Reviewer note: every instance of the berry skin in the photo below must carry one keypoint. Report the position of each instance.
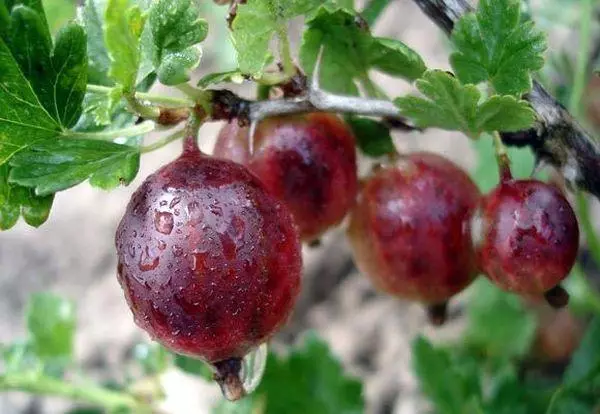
(409, 231)
(526, 236)
(308, 161)
(209, 261)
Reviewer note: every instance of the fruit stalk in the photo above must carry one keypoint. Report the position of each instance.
(91, 394)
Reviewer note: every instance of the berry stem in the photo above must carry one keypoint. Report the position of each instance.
(139, 129)
(502, 159)
(168, 101)
(228, 376)
(190, 142)
(91, 394)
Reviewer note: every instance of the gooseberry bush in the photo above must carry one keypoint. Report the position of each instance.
(209, 248)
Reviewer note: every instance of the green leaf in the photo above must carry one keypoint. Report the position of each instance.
(308, 380)
(373, 10)
(220, 77)
(16, 200)
(193, 366)
(98, 60)
(122, 32)
(496, 45)
(396, 59)
(57, 76)
(23, 119)
(499, 325)
(453, 387)
(584, 369)
(256, 23)
(176, 31)
(372, 137)
(51, 322)
(102, 106)
(450, 105)
(349, 52)
(67, 162)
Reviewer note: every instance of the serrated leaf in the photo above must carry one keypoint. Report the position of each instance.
(452, 387)
(255, 24)
(349, 52)
(193, 366)
(18, 201)
(308, 380)
(372, 137)
(67, 162)
(495, 44)
(176, 31)
(221, 77)
(175, 68)
(51, 323)
(58, 76)
(23, 119)
(122, 32)
(513, 327)
(448, 104)
(396, 59)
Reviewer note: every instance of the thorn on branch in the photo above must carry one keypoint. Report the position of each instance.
(557, 139)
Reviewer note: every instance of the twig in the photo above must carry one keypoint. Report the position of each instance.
(557, 138)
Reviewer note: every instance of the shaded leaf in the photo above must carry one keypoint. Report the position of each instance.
(67, 162)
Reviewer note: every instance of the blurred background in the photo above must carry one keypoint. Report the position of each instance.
(73, 254)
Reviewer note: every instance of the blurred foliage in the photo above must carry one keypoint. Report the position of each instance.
(59, 12)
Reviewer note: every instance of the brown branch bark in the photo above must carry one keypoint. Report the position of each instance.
(557, 138)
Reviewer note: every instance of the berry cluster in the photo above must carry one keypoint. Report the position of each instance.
(209, 252)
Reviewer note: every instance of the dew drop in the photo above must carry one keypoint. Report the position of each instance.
(163, 221)
(147, 262)
(163, 203)
(253, 368)
(131, 250)
(195, 213)
(174, 202)
(162, 245)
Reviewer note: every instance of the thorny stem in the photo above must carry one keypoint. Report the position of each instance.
(91, 394)
(139, 129)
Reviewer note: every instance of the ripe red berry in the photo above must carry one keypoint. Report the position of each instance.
(308, 161)
(410, 230)
(526, 237)
(209, 261)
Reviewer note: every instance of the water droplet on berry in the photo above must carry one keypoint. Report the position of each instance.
(147, 262)
(195, 213)
(174, 202)
(253, 368)
(163, 221)
(177, 251)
